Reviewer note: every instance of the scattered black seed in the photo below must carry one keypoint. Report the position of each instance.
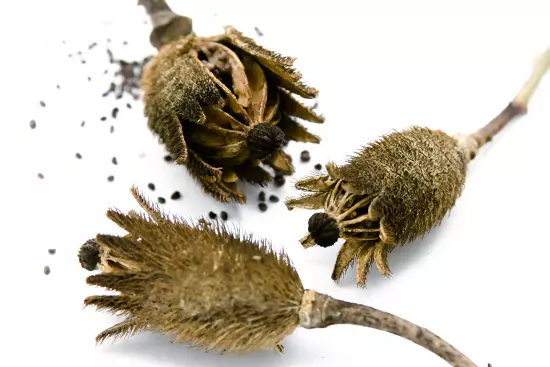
(63, 42)
(114, 112)
(92, 45)
(114, 160)
(41, 176)
(111, 178)
(161, 200)
(262, 207)
(305, 156)
(105, 71)
(279, 180)
(112, 87)
(258, 32)
(58, 87)
(79, 53)
(176, 195)
(112, 129)
(261, 196)
(83, 61)
(224, 215)
(42, 103)
(273, 198)
(168, 158)
(83, 123)
(103, 118)
(78, 156)
(108, 40)
(46, 270)
(212, 215)
(32, 124)
(151, 186)
(51, 251)
(70, 55)
(318, 166)
(125, 43)
(129, 106)
(110, 54)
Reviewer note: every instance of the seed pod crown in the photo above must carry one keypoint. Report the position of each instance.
(199, 283)
(223, 106)
(390, 192)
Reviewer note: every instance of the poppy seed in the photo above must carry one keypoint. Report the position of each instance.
(168, 158)
(52, 251)
(103, 118)
(151, 186)
(262, 207)
(273, 199)
(212, 215)
(261, 196)
(161, 200)
(32, 124)
(112, 129)
(111, 178)
(82, 123)
(42, 103)
(176, 195)
(224, 215)
(279, 180)
(114, 112)
(41, 176)
(46, 270)
(114, 160)
(305, 156)
(78, 156)
(318, 167)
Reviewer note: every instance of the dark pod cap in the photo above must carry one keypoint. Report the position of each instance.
(324, 229)
(264, 140)
(88, 255)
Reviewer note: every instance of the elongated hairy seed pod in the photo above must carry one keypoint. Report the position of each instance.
(396, 189)
(203, 285)
(223, 106)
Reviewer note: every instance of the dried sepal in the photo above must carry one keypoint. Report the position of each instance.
(221, 102)
(199, 282)
(294, 131)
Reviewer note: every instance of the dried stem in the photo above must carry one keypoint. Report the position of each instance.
(167, 25)
(518, 106)
(320, 310)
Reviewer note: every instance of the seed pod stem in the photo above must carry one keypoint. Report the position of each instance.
(518, 106)
(167, 25)
(320, 311)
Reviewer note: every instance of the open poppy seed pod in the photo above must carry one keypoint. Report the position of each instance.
(223, 106)
(203, 285)
(396, 189)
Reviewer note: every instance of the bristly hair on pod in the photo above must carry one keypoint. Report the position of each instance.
(199, 282)
(224, 106)
(397, 188)
(214, 289)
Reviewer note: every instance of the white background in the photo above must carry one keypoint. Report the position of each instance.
(480, 280)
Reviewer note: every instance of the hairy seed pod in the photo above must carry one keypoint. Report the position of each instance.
(203, 285)
(223, 106)
(396, 189)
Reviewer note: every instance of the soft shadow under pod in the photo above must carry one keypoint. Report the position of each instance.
(323, 229)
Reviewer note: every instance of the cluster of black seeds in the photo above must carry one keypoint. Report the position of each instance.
(223, 215)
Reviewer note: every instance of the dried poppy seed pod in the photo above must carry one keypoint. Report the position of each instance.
(396, 189)
(217, 290)
(223, 106)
